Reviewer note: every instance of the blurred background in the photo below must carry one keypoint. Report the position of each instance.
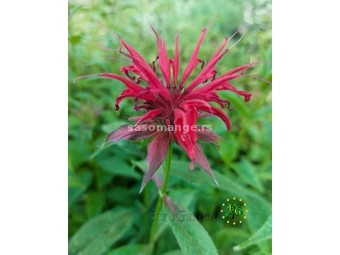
(110, 180)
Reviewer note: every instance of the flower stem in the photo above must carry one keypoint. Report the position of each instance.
(161, 195)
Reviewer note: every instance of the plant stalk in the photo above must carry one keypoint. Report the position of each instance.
(161, 195)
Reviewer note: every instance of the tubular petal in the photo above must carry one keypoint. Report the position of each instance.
(175, 64)
(204, 106)
(193, 59)
(149, 115)
(164, 62)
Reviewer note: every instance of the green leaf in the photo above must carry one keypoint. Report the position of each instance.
(75, 187)
(262, 112)
(247, 173)
(174, 252)
(228, 149)
(117, 166)
(190, 234)
(95, 203)
(100, 149)
(97, 235)
(187, 197)
(135, 249)
(264, 233)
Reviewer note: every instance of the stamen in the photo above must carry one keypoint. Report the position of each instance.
(257, 77)
(126, 71)
(246, 28)
(85, 76)
(211, 21)
(202, 62)
(107, 28)
(153, 64)
(147, 18)
(228, 103)
(215, 73)
(105, 48)
(120, 59)
(123, 53)
(266, 63)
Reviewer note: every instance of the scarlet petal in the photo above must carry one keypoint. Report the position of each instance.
(164, 61)
(183, 123)
(212, 85)
(232, 74)
(134, 90)
(157, 150)
(246, 95)
(125, 93)
(193, 59)
(127, 132)
(204, 106)
(131, 85)
(240, 68)
(143, 68)
(149, 115)
(208, 71)
(175, 64)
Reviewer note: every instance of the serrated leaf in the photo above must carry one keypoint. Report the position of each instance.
(96, 236)
(191, 236)
(264, 233)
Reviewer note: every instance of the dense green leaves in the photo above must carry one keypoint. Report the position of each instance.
(99, 234)
(190, 234)
(136, 249)
(116, 166)
(264, 233)
(247, 172)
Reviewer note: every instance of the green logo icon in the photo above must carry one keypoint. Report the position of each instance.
(234, 211)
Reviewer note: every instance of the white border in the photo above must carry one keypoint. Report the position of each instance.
(34, 127)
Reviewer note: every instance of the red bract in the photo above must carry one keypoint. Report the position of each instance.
(171, 103)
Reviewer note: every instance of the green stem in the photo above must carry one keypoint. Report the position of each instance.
(161, 195)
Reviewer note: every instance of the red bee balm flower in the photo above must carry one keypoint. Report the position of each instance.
(167, 102)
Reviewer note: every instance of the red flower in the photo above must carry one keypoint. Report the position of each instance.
(170, 103)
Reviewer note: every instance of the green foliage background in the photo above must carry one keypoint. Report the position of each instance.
(107, 215)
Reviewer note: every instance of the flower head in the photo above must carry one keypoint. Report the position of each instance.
(172, 102)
